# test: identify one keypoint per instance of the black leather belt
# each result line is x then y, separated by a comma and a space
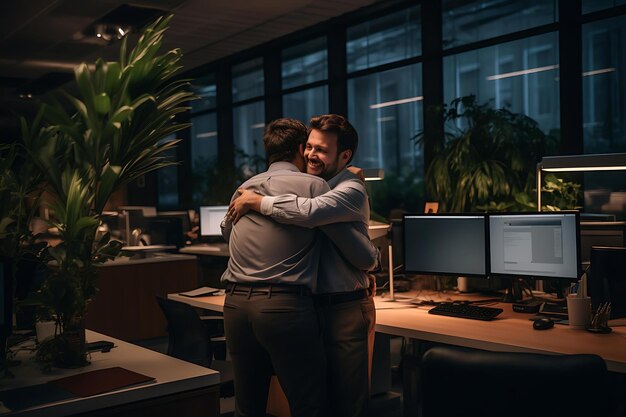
266, 289
339, 297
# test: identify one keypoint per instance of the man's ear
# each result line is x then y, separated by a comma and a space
345, 156
301, 149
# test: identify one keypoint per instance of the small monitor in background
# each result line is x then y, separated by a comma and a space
445, 244
184, 217
167, 231
540, 245
210, 219
607, 279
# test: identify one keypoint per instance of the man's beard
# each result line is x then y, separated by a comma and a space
328, 171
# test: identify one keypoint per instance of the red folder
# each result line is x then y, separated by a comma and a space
103, 380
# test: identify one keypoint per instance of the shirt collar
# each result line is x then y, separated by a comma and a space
343, 175
283, 165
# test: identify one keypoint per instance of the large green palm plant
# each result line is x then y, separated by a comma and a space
112, 135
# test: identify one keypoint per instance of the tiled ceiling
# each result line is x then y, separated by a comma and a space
39, 37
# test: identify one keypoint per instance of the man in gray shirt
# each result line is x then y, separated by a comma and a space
269, 315
342, 297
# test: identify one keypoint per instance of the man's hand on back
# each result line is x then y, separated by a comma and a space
357, 171
247, 200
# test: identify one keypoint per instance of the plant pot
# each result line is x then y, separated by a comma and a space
71, 349
65, 350
44, 330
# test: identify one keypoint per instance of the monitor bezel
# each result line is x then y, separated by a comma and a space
579, 271
449, 274
221, 207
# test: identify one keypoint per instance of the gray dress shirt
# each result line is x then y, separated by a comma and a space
265, 251
347, 202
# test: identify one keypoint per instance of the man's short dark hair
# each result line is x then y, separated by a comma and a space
282, 139
347, 138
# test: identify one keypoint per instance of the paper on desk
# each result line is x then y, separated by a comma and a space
199, 292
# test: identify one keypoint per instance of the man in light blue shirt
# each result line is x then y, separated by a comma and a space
342, 297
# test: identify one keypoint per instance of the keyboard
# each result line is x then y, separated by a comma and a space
466, 311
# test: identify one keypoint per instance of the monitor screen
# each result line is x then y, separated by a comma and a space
445, 244
607, 279
210, 220
600, 234
542, 245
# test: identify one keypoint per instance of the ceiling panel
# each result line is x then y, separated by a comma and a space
40, 36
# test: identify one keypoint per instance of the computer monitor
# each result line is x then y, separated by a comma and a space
605, 233
210, 220
445, 244
166, 230
607, 279
540, 245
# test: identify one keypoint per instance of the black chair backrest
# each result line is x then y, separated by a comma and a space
188, 337
464, 382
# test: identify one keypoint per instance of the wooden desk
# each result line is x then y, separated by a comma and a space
510, 332
208, 249
181, 388
125, 306
212, 260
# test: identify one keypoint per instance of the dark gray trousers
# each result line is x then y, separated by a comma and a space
279, 333
348, 331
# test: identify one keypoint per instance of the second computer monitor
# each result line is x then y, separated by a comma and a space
210, 220
541, 245
445, 244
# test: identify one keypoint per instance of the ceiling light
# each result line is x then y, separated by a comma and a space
396, 102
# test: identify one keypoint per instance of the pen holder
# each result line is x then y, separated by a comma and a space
600, 319
578, 311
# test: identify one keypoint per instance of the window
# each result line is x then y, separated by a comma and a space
248, 80
305, 63
206, 90
248, 128
595, 5
522, 76
386, 110
303, 105
390, 38
167, 180
604, 87
203, 140
470, 21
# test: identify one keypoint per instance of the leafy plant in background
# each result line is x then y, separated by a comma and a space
111, 135
485, 155
215, 179
20, 190
395, 192
557, 194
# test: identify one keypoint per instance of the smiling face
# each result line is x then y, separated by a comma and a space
322, 155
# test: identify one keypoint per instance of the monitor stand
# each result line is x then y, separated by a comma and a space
513, 292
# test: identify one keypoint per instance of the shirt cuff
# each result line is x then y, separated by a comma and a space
267, 205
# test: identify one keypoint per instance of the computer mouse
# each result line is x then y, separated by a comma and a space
543, 324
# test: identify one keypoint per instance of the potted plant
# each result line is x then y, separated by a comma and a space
112, 135
484, 155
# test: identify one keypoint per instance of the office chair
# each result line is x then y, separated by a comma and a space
465, 382
193, 339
